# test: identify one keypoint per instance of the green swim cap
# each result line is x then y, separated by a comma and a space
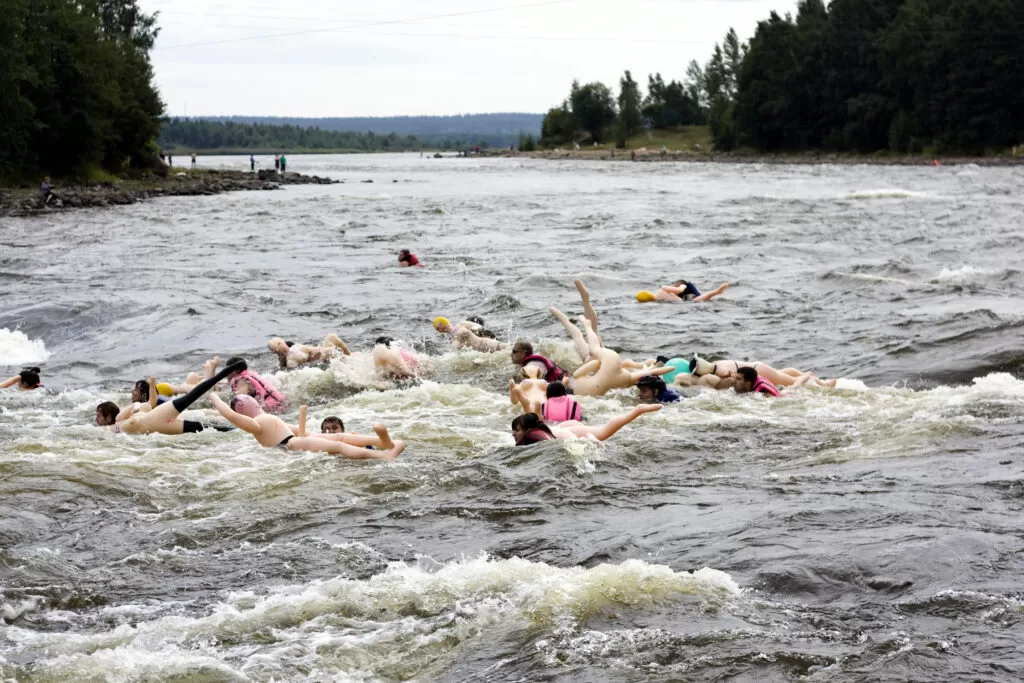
680, 365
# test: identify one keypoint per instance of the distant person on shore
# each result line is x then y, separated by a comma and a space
272, 432
407, 259
27, 380
193, 160
284, 164
252, 163
277, 163
293, 355
529, 429
46, 190
170, 161
682, 290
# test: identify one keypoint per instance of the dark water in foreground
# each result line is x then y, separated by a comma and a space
872, 532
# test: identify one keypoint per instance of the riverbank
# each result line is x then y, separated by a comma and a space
27, 202
796, 159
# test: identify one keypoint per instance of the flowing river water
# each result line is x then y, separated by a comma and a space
870, 532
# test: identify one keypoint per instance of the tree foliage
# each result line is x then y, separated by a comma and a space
904, 75
76, 88
854, 75
593, 109
630, 118
205, 134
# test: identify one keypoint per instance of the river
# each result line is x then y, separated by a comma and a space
869, 532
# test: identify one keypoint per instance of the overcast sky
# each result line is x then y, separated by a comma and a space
408, 57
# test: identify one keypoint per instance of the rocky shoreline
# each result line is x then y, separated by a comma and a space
176, 184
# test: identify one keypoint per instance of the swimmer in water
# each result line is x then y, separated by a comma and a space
163, 419
393, 363
651, 389
26, 380
528, 429
407, 259
749, 381
292, 355
727, 369
466, 335
271, 431
332, 425
681, 290
245, 381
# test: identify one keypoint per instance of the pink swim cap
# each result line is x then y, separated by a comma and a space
245, 405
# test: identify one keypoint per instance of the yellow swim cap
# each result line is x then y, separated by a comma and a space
644, 297
438, 321
164, 389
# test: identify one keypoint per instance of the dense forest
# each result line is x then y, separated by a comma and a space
495, 130
207, 134
907, 76
76, 89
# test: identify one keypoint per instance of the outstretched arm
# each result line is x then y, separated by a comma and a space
301, 431
10, 382
243, 422
153, 393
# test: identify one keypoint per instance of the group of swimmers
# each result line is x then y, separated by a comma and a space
541, 388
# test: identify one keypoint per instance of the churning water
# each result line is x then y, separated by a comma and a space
871, 532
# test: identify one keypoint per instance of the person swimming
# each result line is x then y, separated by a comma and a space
245, 381
332, 425
393, 363
523, 355
466, 335
272, 432
749, 381
26, 380
559, 406
292, 355
162, 419
681, 290
529, 429
654, 389
407, 259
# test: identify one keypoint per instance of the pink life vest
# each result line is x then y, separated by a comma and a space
552, 373
269, 397
764, 386
561, 409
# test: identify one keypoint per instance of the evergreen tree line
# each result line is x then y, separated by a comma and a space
206, 134
942, 76
76, 87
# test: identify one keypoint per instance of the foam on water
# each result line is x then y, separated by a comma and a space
397, 623
17, 349
894, 193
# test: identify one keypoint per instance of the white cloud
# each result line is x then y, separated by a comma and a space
394, 57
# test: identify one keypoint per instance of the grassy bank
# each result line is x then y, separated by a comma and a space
682, 139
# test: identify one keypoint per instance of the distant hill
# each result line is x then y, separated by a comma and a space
497, 130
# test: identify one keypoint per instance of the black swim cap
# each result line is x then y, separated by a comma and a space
383, 341
661, 359
651, 381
